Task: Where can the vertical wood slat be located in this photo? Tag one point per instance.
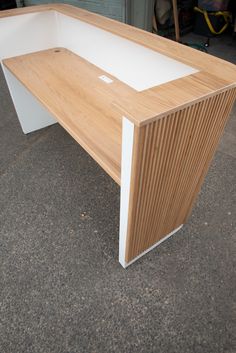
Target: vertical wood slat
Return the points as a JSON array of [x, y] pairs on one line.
[[171, 159]]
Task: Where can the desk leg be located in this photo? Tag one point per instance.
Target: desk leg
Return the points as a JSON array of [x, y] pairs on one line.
[[163, 167], [31, 113]]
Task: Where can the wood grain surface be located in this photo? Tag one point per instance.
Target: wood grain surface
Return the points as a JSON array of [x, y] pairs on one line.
[[70, 88], [171, 158], [177, 124], [215, 75]]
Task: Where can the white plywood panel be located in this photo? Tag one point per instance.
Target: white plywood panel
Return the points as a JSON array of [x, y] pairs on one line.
[[27, 33], [137, 66], [31, 113]]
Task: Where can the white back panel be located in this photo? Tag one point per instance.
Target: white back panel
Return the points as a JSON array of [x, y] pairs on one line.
[[28, 33], [139, 67]]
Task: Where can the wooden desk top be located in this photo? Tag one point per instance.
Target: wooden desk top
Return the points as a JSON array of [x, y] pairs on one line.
[[70, 88], [214, 75]]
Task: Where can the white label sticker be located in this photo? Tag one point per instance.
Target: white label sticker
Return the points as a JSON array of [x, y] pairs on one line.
[[106, 79]]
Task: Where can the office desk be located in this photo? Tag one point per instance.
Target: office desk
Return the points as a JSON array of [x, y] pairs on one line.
[[150, 111]]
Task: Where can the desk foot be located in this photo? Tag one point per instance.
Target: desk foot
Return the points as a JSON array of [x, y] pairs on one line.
[[31, 113], [126, 264]]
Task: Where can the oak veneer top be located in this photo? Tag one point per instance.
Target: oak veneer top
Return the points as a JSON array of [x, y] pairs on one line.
[[70, 88], [215, 75]]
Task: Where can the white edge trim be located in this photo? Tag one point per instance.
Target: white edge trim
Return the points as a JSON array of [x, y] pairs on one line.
[[126, 168], [153, 246]]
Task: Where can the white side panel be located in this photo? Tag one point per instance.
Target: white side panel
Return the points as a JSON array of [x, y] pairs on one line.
[[28, 33], [31, 113], [137, 66], [126, 167]]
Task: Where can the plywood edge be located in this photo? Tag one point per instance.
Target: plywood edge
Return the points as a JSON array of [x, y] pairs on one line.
[[187, 104], [145, 120]]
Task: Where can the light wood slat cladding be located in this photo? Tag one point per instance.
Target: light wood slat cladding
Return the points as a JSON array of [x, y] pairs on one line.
[[171, 158]]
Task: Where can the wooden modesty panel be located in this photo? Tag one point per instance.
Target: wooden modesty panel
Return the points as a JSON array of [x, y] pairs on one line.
[[171, 158]]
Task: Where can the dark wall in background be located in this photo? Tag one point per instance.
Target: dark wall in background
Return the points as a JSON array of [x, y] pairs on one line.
[[110, 8], [7, 4], [135, 12]]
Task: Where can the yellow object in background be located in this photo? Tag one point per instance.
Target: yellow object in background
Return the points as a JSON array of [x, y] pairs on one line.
[[226, 15]]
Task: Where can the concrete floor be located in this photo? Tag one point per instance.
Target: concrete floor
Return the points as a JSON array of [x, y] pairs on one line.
[[62, 289]]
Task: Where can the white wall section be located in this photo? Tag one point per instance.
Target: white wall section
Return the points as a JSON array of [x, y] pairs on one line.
[[137, 66], [28, 33], [31, 113], [133, 64]]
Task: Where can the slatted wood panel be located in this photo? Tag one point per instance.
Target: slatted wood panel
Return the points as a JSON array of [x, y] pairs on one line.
[[171, 158]]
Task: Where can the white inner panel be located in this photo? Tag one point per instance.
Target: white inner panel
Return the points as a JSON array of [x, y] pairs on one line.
[[31, 113], [139, 67], [126, 166], [28, 33]]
